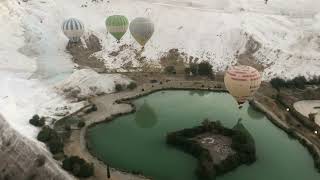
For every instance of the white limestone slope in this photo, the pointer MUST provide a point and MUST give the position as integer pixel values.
(87, 82)
(215, 30)
(307, 107)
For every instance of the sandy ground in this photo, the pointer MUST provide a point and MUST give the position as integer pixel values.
(106, 108)
(219, 147)
(308, 106)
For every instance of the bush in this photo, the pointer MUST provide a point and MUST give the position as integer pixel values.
(194, 69)
(94, 107)
(187, 71)
(67, 127)
(77, 166)
(278, 83)
(37, 121)
(297, 82)
(170, 70)
(205, 68)
(81, 124)
(132, 85)
(55, 145)
(52, 139)
(153, 81)
(45, 134)
(118, 87)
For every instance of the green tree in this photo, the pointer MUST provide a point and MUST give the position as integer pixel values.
(37, 121)
(81, 124)
(170, 69)
(278, 83)
(132, 85)
(78, 166)
(205, 68)
(118, 87)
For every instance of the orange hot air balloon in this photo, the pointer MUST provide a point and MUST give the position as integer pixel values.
(242, 82)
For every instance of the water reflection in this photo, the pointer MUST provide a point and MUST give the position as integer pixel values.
(240, 127)
(254, 114)
(199, 93)
(145, 117)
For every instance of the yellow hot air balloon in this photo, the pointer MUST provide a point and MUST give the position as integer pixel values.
(242, 82)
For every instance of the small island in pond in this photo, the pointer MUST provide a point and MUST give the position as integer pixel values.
(217, 148)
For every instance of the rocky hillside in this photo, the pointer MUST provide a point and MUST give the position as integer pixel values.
(22, 158)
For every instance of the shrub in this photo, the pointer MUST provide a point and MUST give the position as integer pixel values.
(194, 69)
(81, 124)
(51, 138)
(170, 69)
(299, 82)
(77, 166)
(132, 85)
(67, 127)
(118, 87)
(153, 81)
(94, 107)
(37, 121)
(55, 145)
(36, 117)
(187, 71)
(45, 134)
(205, 68)
(278, 83)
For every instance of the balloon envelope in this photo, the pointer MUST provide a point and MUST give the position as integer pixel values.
(141, 29)
(242, 82)
(73, 29)
(117, 25)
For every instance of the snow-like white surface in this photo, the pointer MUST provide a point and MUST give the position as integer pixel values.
(33, 57)
(90, 83)
(20, 99)
(214, 30)
(307, 107)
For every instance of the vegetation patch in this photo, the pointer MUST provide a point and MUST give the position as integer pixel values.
(298, 82)
(242, 144)
(132, 85)
(51, 138)
(77, 166)
(37, 121)
(203, 68)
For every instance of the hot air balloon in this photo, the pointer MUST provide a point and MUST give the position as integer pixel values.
(242, 82)
(73, 29)
(117, 26)
(141, 29)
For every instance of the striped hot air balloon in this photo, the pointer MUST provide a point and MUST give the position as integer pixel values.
(141, 29)
(242, 82)
(73, 29)
(117, 26)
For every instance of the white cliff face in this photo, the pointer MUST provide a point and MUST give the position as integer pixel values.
(22, 158)
(87, 83)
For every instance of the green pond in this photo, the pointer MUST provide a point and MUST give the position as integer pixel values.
(136, 142)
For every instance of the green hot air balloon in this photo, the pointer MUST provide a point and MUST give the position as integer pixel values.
(141, 29)
(117, 26)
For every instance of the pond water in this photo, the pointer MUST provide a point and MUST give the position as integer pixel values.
(136, 142)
